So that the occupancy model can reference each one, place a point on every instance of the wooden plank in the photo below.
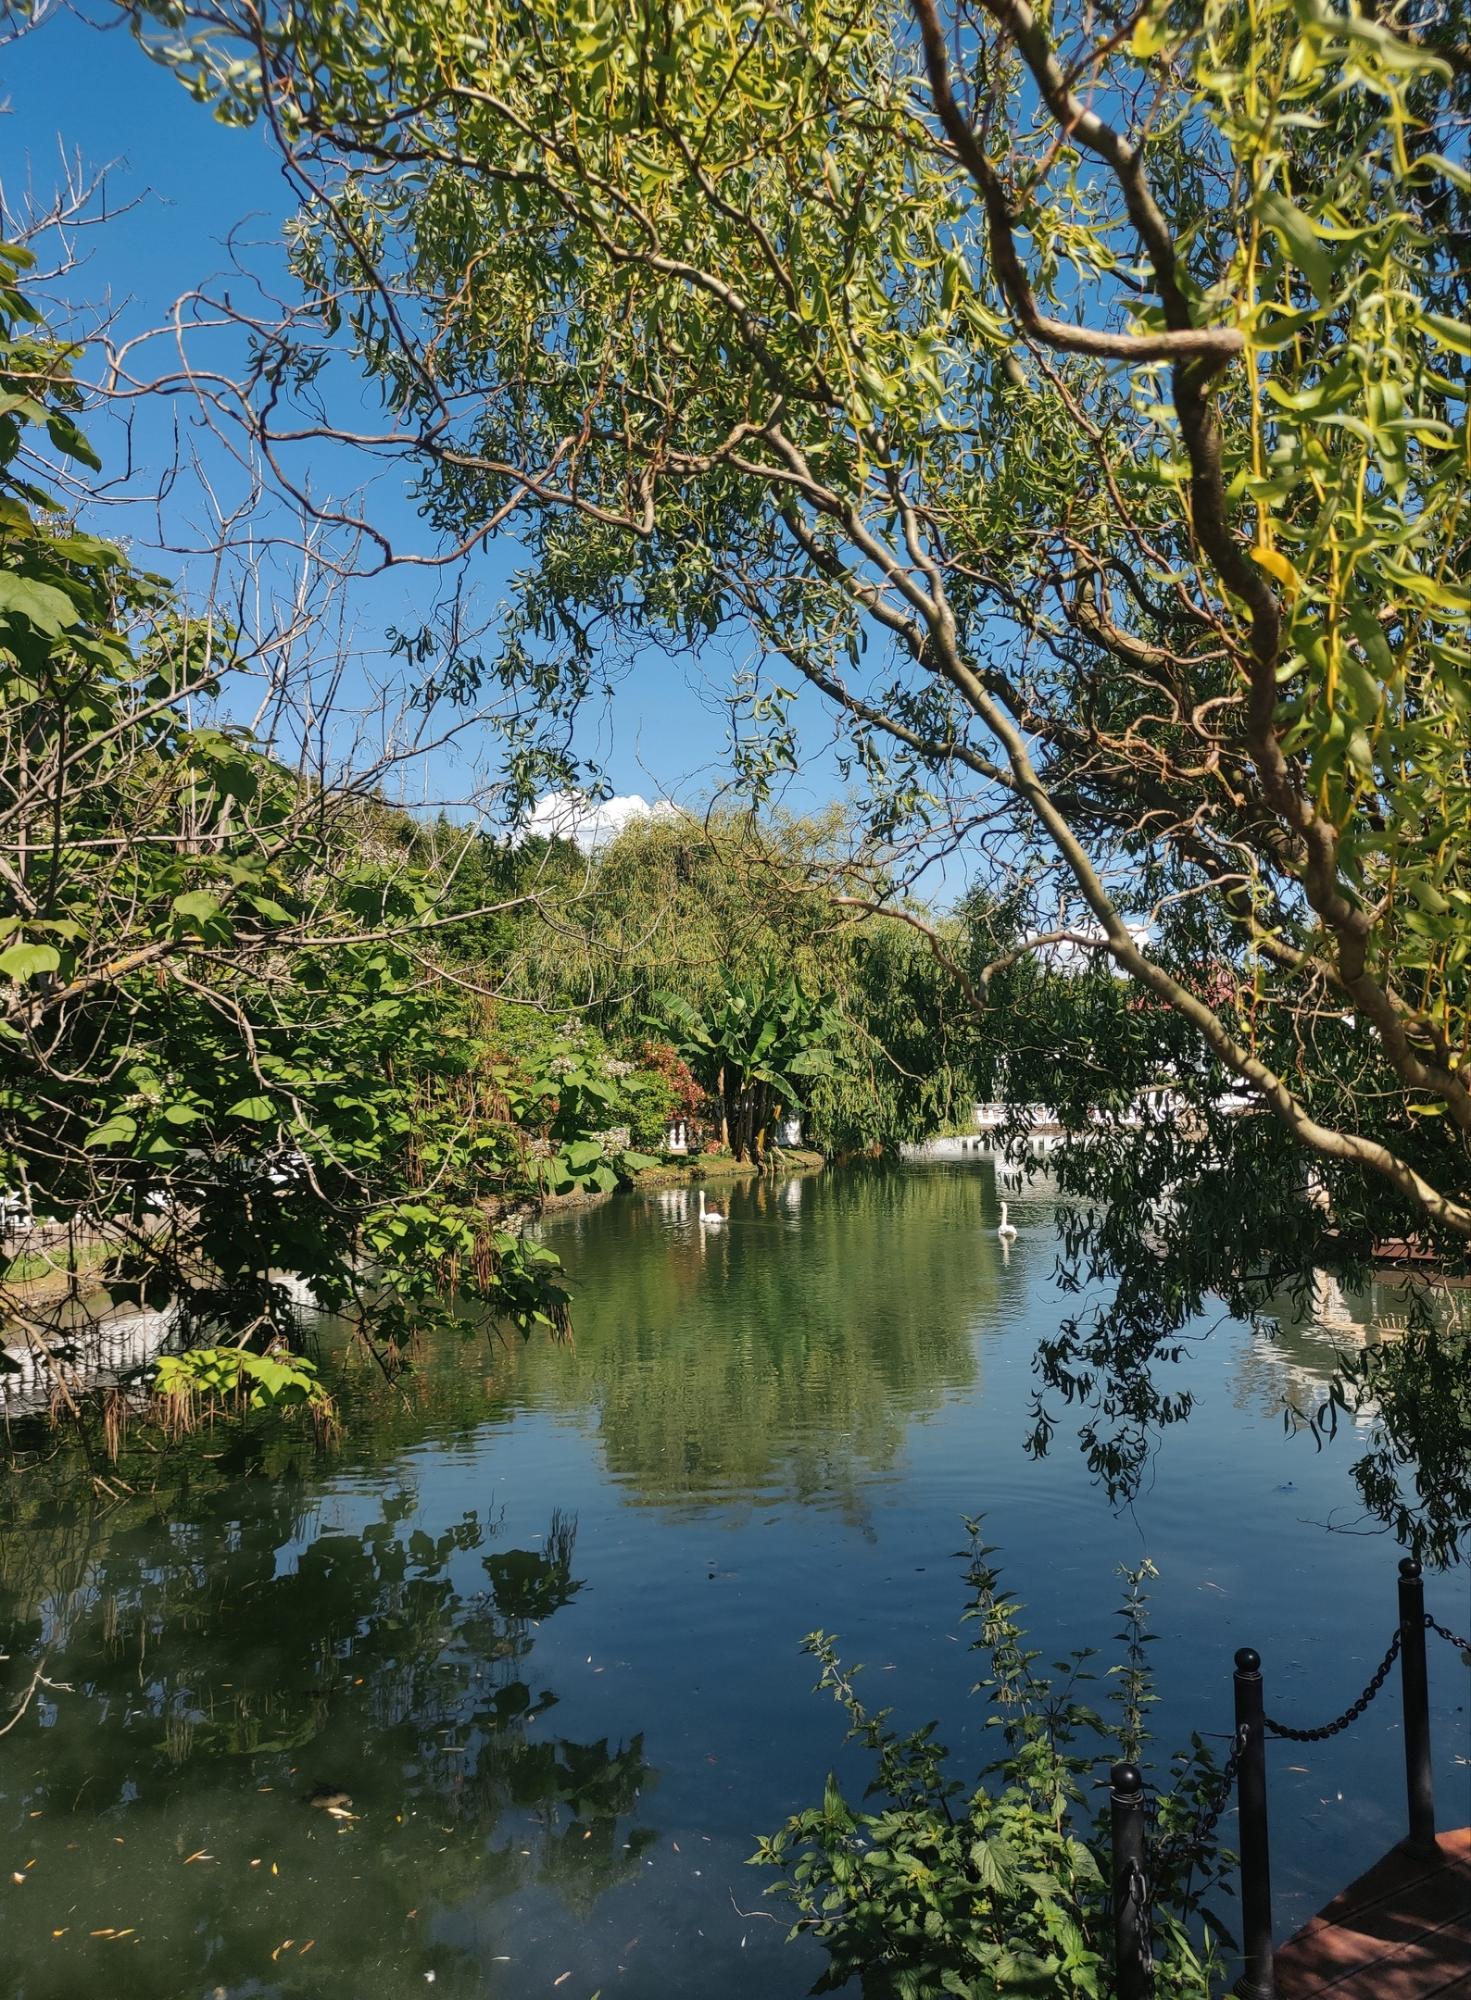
(1410, 1971)
(1402, 1931)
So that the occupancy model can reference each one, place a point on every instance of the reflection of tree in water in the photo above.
(771, 1357)
(227, 1652)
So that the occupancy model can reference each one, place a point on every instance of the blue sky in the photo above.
(73, 89)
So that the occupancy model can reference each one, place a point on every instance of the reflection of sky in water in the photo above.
(539, 1617)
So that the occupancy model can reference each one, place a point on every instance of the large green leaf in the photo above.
(46, 607)
(26, 961)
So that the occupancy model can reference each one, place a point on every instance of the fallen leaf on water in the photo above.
(199, 1854)
(17, 1876)
(274, 1869)
(565, 1975)
(256, 1862)
(105, 1933)
(306, 1948)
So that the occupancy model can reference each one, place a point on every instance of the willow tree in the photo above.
(1076, 400)
(703, 908)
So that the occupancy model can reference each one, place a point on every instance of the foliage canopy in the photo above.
(1080, 408)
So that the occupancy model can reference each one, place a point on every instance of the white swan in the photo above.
(1007, 1231)
(710, 1218)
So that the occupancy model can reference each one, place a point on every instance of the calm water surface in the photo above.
(540, 1618)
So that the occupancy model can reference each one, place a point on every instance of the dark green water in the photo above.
(540, 1617)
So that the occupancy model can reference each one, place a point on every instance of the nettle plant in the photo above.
(1000, 1884)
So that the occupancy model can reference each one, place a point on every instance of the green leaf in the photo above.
(197, 908)
(25, 961)
(1452, 333)
(257, 1108)
(119, 1130)
(1300, 241)
(50, 610)
(65, 435)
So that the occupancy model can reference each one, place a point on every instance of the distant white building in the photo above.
(1072, 954)
(591, 823)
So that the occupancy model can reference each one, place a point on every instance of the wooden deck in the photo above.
(1401, 1932)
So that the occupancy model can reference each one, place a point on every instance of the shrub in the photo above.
(1004, 1890)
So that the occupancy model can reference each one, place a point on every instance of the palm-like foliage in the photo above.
(754, 1050)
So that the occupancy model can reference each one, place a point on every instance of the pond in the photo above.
(539, 1617)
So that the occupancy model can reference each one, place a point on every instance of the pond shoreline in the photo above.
(673, 1174)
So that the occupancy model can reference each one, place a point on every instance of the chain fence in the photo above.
(1372, 1687)
(1349, 1715)
(1433, 1625)
(1164, 1858)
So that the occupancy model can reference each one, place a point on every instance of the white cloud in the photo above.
(592, 823)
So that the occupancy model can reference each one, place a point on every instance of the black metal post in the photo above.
(1258, 1981)
(1134, 1968)
(1414, 1686)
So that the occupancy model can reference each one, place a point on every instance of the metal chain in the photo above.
(1141, 1894)
(1376, 1681)
(1168, 1854)
(1163, 1856)
(1431, 1625)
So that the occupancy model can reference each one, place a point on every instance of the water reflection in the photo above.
(90, 1347)
(787, 1354)
(1299, 1336)
(521, 1557)
(219, 1652)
